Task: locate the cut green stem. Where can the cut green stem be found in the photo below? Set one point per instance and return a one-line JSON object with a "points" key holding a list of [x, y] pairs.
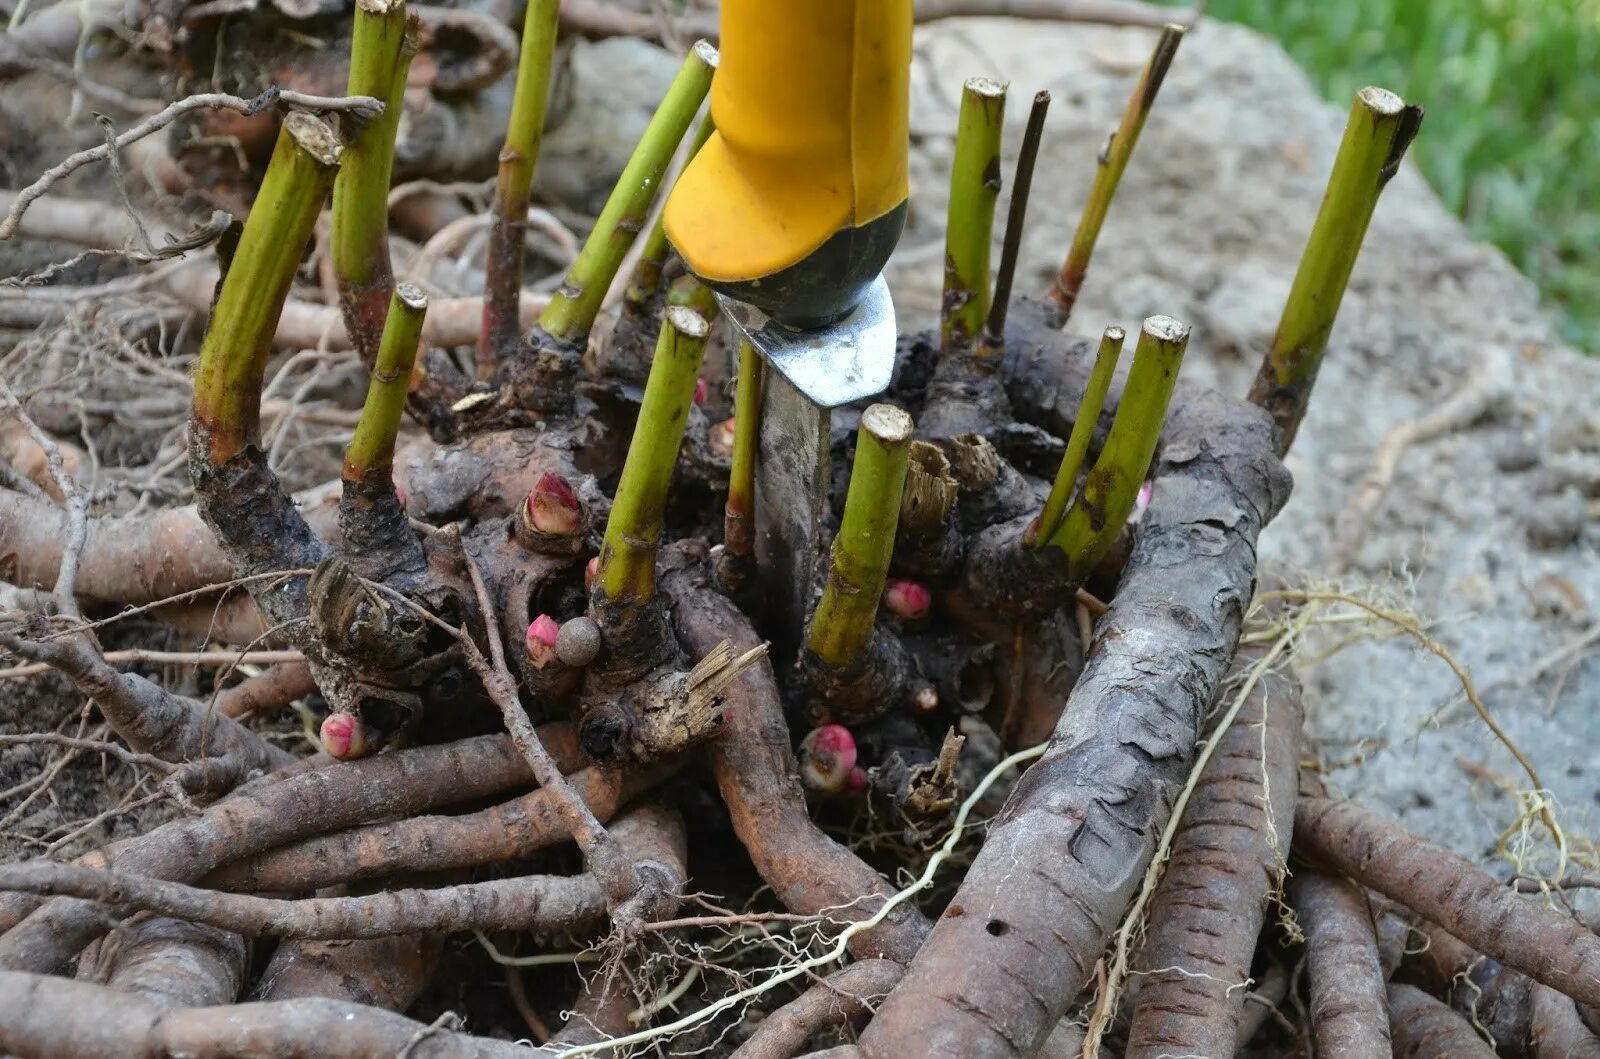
{"points": [[233, 356], [841, 629], [1095, 519], [573, 309], [1381, 127], [739, 525], [969, 227], [381, 47], [1112, 162], [645, 282], [1094, 399], [627, 571], [991, 348], [370, 455], [518, 160]]}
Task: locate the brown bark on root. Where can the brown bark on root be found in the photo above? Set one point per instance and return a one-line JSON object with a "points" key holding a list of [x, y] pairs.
{"points": [[176, 964], [44, 1018], [510, 831], [1349, 1010], [1558, 1032], [387, 973], [758, 776], [1066, 854], [1449, 890], [1227, 861], [842, 997], [273, 689], [313, 802], [1491, 995], [1424, 1028]]}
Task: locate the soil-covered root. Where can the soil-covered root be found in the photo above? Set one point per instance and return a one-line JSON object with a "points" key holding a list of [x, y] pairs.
{"points": [[1227, 861], [1063, 859], [1349, 1012], [177, 964], [310, 802], [44, 1018], [841, 998], [1493, 997], [1558, 1031], [1425, 1028], [1449, 890], [388, 973], [758, 777]]}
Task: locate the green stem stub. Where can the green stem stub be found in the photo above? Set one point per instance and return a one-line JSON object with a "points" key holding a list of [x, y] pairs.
{"points": [[646, 279], [1381, 127], [1096, 517], [841, 628], [572, 311], [969, 228], [627, 572], [233, 356], [381, 47], [1112, 162], [518, 160], [739, 524], [371, 451], [1094, 399]]}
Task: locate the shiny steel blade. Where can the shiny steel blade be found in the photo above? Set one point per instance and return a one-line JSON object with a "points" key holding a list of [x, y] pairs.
{"points": [[808, 373]]}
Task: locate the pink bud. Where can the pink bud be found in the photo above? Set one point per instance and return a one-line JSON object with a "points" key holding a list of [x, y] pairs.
{"points": [[1141, 502], [591, 574], [541, 641], [827, 755], [400, 494], [343, 736], [907, 600], [721, 439], [553, 507], [699, 391], [857, 781]]}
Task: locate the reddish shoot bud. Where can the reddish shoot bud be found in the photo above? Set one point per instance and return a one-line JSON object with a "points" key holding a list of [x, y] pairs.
{"points": [[907, 600], [553, 507], [591, 573], [699, 391], [343, 736], [1141, 502], [827, 756], [542, 635], [857, 781]]}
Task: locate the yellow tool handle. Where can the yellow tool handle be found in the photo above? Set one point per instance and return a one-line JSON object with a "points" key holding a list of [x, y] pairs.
{"points": [[811, 101]]}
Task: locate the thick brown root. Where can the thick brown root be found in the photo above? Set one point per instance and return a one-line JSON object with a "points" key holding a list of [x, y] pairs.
{"points": [[1424, 1028], [1349, 1016]]}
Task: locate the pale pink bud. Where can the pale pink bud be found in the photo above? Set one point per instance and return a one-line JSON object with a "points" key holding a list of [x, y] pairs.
{"points": [[857, 781], [699, 391], [553, 507], [400, 494], [542, 635], [343, 736], [591, 574], [907, 600], [1141, 502], [721, 439], [925, 698], [827, 755]]}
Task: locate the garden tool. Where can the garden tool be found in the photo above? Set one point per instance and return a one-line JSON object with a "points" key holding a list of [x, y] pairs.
{"points": [[789, 213]]}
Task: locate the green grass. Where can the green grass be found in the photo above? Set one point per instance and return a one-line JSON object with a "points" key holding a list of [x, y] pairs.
{"points": [[1512, 136]]}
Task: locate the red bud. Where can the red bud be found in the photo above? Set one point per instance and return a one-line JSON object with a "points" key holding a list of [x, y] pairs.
{"points": [[699, 391], [857, 781], [591, 574], [343, 736], [827, 755], [400, 494], [907, 600], [553, 507], [541, 641]]}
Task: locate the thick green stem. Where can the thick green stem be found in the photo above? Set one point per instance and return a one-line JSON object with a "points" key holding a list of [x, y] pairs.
{"points": [[1095, 519], [969, 227], [646, 279], [370, 453], [1380, 129], [739, 525], [1094, 399], [841, 628], [572, 311], [381, 47], [633, 532], [992, 346], [233, 356], [518, 159], [1113, 160]]}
